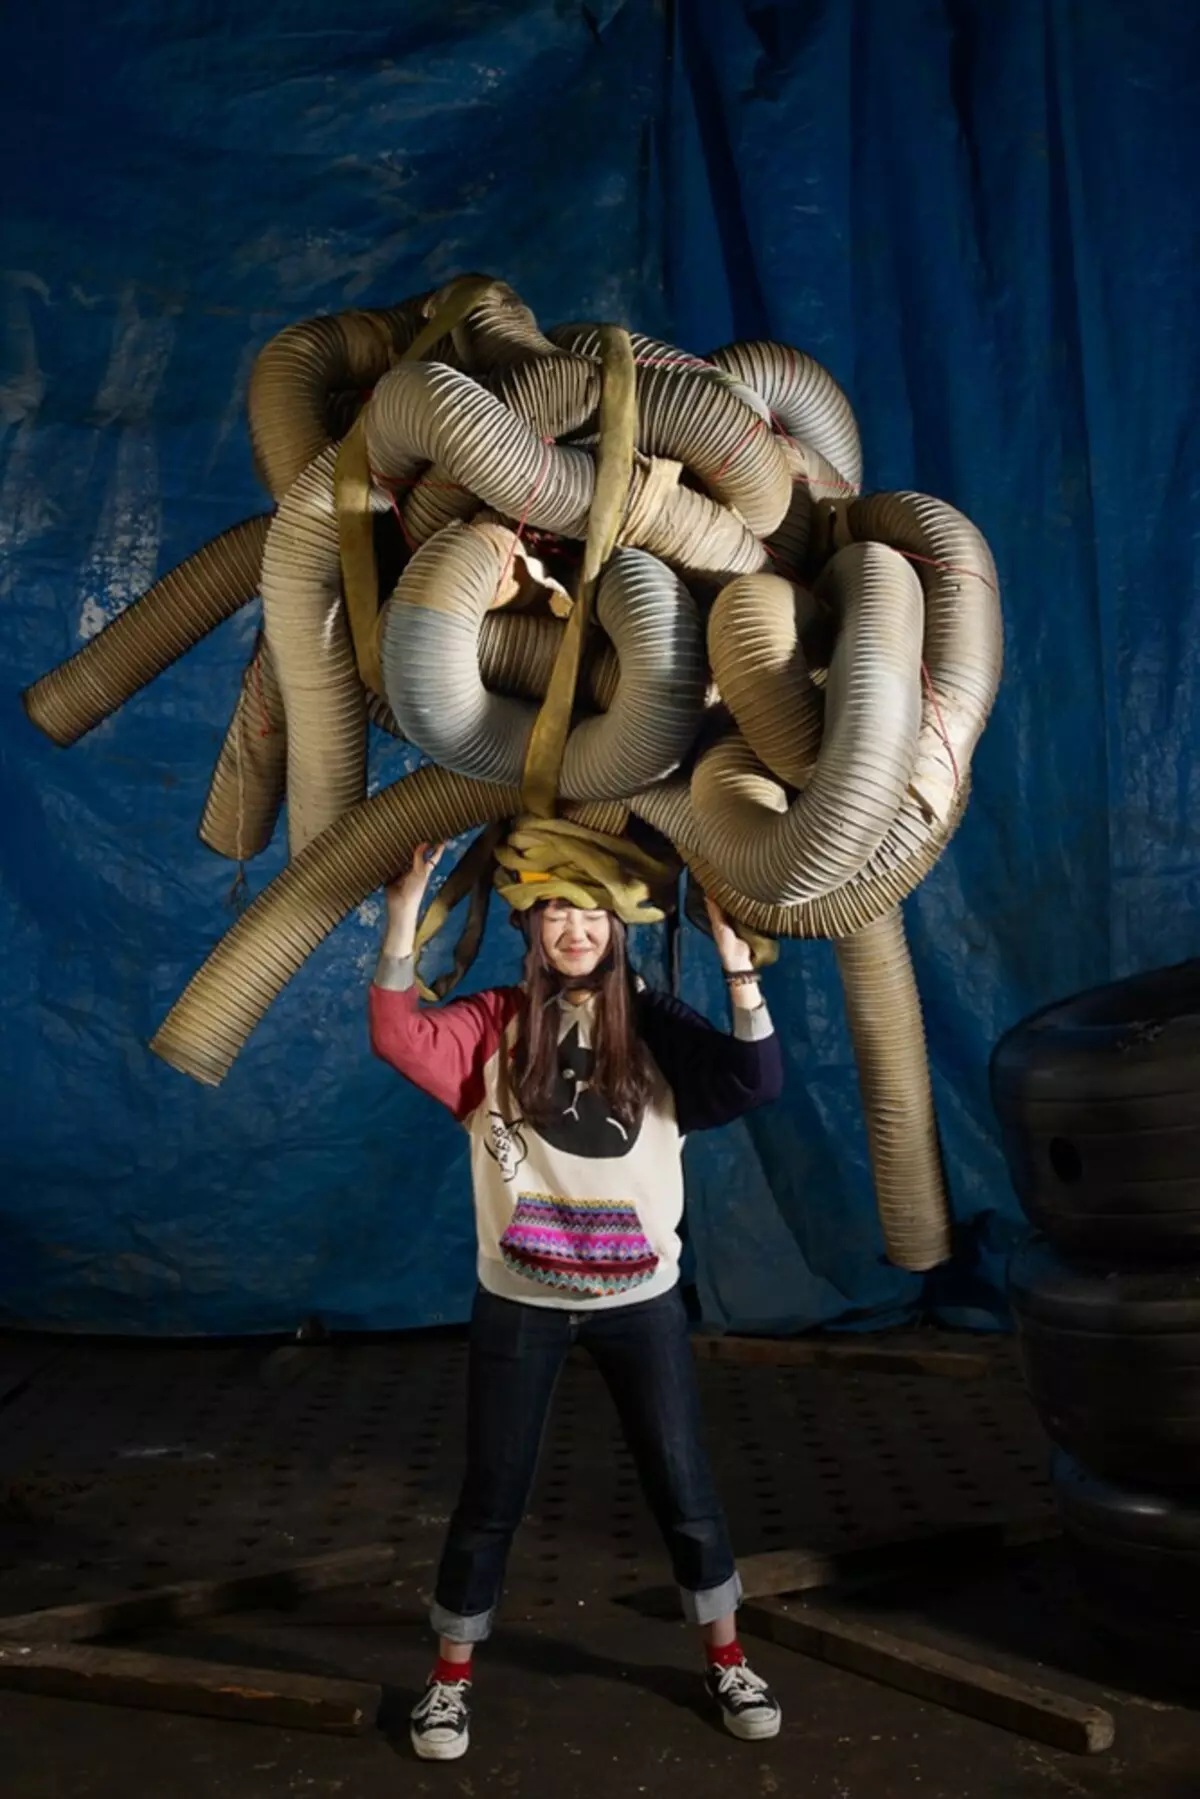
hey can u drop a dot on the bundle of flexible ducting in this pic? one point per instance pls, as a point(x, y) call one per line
point(774, 677)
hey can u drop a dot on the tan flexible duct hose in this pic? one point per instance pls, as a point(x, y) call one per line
point(884, 1013)
point(787, 853)
point(963, 654)
point(689, 530)
point(888, 878)
point(803, 397)
point(582, 339)
point(800, 544)
point(296, 404)
point(710, 429)
point(684, 415)
point(428, 413)
point(517, 653)
point(651, 719)
point(300, 374)
point(610, 817)
point(254, 961)
point(755, 629)
point(433, 502)
point(250, 777)
point(306, 626)
point(541, 396)
point(964, 646)
point(151, 633)
point(429, 648)
point(206, 1028)
point(498, 331)
point(431, 660)
point(813, 818)
point(963, 641)
point(652, 353)
point(290, 384)
point(558, 395)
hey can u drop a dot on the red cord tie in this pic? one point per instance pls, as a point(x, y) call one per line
point(410, 481)
point(941, 723)
point(394, 504)
point(951, 568)
point(674, 362)
point(750, 432)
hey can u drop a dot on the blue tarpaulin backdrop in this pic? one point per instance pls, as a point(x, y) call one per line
point(981, 217)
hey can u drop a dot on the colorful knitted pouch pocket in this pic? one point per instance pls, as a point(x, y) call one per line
point(590, 1248)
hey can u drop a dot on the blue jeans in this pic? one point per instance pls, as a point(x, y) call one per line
point(516, 1355)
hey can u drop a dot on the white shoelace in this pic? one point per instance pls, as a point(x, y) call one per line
point(741, 1682)
point(444, 1702)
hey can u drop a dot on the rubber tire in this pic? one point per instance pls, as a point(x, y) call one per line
point(1112, 1363)
point(1098, 1100)
point(1136, 1556)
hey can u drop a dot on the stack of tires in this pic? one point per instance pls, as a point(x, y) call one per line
point(1099, 1106)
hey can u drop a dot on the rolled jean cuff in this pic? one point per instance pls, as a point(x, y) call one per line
point(456, 1629)
point(713, 1602)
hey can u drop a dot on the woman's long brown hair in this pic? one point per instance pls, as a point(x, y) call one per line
point(623, 1072)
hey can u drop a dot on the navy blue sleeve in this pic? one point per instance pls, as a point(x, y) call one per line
point(715, 1077)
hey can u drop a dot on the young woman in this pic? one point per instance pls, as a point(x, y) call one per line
point(577, 1089)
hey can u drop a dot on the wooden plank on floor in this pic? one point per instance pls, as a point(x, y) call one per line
point(169, 1683)
point(273, 1589)
point(779, 1571)
point(955, 1681)
point(848, 1355)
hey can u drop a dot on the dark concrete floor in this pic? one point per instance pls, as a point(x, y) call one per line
point(122, 1466)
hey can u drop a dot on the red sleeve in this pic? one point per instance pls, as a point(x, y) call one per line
point(444, 1050)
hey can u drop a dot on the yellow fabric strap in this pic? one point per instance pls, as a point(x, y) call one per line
point(472, 874)
point(356, 543)
point(555, 858)
point(459, 298)
point(763, 950)
point(352, 491)
point(614, 469)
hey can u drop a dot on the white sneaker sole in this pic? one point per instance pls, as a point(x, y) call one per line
point(452, 1750)
point(753, 1730)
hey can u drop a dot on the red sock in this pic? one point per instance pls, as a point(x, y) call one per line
point(447, 1673)
point(724, 1655)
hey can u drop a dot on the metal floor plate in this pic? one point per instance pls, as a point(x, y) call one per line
point(130, 1465)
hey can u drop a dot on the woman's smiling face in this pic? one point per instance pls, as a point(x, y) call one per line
point(575, 941)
